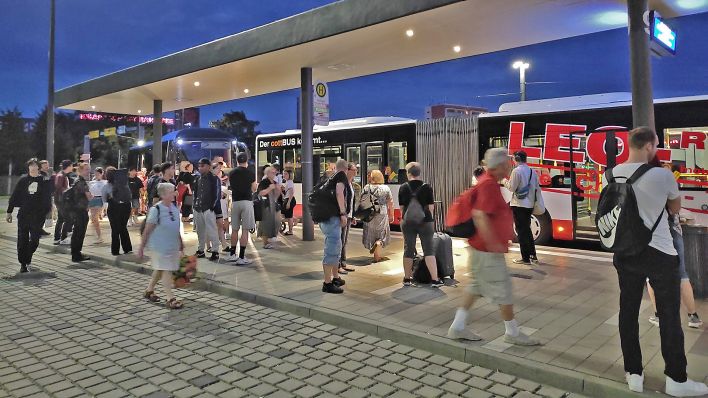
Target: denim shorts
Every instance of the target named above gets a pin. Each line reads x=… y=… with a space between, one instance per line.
x=95 y=202
x=332 y=231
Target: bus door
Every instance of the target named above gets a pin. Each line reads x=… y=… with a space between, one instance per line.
x=352 y=153
x=374 y=157
x=328 y=156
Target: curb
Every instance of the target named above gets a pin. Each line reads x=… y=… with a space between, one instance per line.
x=565 y=379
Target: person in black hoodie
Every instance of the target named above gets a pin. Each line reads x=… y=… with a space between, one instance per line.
x=32 y=195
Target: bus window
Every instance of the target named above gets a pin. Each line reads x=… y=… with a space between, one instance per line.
x=397 y=159
x=374 y=157
x=328 y=156
x=353 y=154
x=292 y=160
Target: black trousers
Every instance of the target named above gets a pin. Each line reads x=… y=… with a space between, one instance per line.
x=662 y=271
x=522 y=221
x=118 y=215
x=29 y=229
x=81 y=220
x=63 y=225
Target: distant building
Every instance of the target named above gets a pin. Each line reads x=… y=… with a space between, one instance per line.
x=449 y=110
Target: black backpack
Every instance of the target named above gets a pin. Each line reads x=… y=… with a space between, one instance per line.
x=322 y=201
x=621 y=228
x=152 y=184
x=121 y=191
x=68 y=199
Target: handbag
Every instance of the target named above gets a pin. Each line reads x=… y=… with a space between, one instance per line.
x=369 y=206
x=188 y=200
x=539 y=208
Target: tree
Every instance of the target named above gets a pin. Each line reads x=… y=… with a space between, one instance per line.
x=237 y=124
x=15 y=148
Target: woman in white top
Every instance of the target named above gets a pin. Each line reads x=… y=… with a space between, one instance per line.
x=377 y=232
x=96 y=204
x=162 y=236
x=288 y=200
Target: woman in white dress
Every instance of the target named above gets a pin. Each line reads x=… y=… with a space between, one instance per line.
x=377 y=232
x=162 y=236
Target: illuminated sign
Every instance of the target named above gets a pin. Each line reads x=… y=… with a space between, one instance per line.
x=663 y=38
x=288 y=142
x=123 y=118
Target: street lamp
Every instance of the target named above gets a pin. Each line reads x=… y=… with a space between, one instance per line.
x=522 y=66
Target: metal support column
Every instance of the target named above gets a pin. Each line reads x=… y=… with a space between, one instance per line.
x=306 y=119
x=50 y=91
x=157 y=132
x=640 y=65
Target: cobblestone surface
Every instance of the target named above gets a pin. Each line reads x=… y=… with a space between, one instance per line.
x=84 y=330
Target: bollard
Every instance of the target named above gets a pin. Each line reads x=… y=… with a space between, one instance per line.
x=695 y=240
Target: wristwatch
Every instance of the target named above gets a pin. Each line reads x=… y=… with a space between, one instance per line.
x=342 y=214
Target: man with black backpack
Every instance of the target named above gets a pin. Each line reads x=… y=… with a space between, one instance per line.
x=62 y=182
x=632 y=222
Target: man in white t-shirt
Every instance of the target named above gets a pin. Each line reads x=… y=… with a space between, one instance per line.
x=656 y=192
x=522 y=184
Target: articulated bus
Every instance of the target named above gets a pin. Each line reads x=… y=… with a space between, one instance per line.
x=542 y=128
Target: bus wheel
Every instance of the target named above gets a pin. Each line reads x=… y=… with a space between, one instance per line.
x=540 y=229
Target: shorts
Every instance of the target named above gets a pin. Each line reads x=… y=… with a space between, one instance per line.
x=165 y=262
x=411 y=232
x=288 y=213
x=242 y=215
x=135 y=203
x=490 y=277
x=95 y=202
x=224 y=209
x=332 y=231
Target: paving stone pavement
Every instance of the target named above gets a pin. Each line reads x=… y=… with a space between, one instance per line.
x=70 y=331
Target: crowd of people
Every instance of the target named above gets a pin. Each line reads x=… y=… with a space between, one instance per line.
x=211 y=198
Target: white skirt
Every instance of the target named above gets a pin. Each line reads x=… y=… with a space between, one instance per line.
x=165 y=262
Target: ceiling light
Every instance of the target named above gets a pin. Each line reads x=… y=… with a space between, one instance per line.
x=410 y=33
x=140 y=111
x=457 y=49
x=196 y=84
x=93 y=106
x=612 y=18
x=246 y=91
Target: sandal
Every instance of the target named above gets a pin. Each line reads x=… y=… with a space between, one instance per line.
x=174 y=304
x=373 y=248
x=151 y=296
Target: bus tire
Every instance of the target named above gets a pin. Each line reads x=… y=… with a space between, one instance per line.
x=541 y=228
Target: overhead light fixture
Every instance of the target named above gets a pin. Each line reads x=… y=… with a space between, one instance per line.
x=457 y=49
x=612 y=18
x=196 y=84
x=93 y=106
x=246 y=91
x=140 y=111
x=410 y=33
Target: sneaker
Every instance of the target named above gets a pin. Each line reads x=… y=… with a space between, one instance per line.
x=534 y=260
x=65 y=242
x=23 y=268
x=688 y=388
x=214 y=256
x=438 y=283
x=57 y=242
x=521 y=339
x=44 y=233
x=654 y=320
x=521 y=261
x=463 y=334
x=200 y=254
x=694 y=321
x=227 y=249
x=80 y=258
x=407 y=281
x=332 y=288
x=243 y=261
x=338 y=281
x=341 y=270
x=635 y=382
x=232 y=258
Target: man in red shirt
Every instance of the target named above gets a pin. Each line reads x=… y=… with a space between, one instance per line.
x=493 y=221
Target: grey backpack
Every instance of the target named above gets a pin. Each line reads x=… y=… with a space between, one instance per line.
x=414 y=211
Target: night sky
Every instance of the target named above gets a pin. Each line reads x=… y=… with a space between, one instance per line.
x=94 y=39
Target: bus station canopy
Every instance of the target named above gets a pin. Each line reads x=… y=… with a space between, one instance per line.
x=347 y=39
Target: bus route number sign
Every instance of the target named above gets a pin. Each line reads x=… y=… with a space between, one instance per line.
x=320 y=104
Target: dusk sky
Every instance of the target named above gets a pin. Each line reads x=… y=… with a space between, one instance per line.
x=94 y=39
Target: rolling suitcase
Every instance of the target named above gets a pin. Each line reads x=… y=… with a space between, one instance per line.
x=442 y=243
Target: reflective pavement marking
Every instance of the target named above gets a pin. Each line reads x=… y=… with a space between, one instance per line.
x=572 y=255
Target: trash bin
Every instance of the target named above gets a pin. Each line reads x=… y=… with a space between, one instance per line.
x=695 y=240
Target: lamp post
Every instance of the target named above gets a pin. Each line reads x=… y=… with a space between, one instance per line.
x=522 y=66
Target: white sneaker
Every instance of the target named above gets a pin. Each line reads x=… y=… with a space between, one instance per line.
x=694 y=321
x=243 y=261
x=520 y=261
x=463 y=334
x=520 y=339
x=635 y=382
x=66 y=241
x=688 y=388
x=232 y=257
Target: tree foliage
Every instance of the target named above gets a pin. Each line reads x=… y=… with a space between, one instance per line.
x=237 y=124
x=15 y=146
